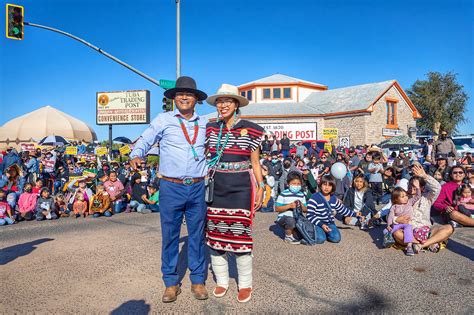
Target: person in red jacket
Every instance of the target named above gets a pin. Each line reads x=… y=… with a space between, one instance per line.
x=27 y=203
x=445 y=202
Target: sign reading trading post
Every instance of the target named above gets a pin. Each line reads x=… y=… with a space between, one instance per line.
x=124 y=107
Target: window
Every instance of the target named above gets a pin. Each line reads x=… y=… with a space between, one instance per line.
x=242 y=93
x=276 y=93
x=391 y=113
x=266 y=93
x=286 y=92
x=249 y=95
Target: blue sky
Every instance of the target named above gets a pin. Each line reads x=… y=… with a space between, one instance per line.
x=336 y=43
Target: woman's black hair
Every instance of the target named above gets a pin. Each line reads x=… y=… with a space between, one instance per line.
x=328 y=179
x=294 y=175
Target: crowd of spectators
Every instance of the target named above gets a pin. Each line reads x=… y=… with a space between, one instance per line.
x=403 y=190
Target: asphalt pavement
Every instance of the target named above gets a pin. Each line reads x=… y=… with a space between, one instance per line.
x=112 y=265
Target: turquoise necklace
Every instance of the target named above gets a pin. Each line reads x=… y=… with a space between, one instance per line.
x=220 y=149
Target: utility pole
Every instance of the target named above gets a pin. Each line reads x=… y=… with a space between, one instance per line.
x=178 y=40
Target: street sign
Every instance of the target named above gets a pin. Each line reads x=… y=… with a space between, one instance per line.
x=123 y=107
x=14 y=18
x=167 y=84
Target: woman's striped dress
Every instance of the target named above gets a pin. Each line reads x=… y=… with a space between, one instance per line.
x=229 y=216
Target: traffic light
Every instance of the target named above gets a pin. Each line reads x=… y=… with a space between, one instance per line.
x=167 y=104
x=14 y=27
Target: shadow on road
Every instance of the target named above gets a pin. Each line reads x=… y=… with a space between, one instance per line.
x=376 y=233
x=132 y=307
x=460 y=249
x=371 y=301
x=11 y=253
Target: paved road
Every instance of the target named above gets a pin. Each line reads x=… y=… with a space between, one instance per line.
x=113 y=266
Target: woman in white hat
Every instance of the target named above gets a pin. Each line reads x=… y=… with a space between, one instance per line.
x=238 y=189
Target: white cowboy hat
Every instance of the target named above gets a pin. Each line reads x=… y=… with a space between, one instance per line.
x=228 y=90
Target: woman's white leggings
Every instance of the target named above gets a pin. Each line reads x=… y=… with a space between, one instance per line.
x=220 y=266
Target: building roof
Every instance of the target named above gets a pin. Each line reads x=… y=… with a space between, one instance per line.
x=358 y=97
x=45 y=121
x=280 y=78
x=342 y=101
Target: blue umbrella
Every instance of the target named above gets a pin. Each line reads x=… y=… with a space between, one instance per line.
x=123 y=140
x=53 y=140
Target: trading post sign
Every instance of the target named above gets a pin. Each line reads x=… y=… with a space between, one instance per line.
x=123 y=107
x=295 y=132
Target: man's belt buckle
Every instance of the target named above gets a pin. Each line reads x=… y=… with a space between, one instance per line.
x=188 y=181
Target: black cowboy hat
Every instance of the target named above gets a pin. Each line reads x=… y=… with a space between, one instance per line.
x=185 y=84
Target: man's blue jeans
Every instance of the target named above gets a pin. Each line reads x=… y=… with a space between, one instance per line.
x=175 y=201
x=334 y=236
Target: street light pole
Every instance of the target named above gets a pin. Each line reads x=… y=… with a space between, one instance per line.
x=178 y=40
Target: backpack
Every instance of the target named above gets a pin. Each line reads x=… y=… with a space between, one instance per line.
x=306 y=229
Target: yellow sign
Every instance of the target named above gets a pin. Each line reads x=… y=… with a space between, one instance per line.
x=71 y=151
x=125 y=150
x=101 y=151
x=330 y=133
x=328 y=147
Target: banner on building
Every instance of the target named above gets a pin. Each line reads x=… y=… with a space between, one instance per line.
x=123 y=107
x=71 y=150
x=295 y=132
x=391 y=132
x=330 y=133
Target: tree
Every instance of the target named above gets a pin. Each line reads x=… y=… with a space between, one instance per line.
x=440 y=100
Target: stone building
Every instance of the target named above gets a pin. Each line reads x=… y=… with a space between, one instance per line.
x=362 y=114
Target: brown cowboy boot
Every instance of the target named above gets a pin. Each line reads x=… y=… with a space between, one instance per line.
x=171 y=294
x=199 y=291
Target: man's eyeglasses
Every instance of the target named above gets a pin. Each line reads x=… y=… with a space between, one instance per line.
x=458 y=173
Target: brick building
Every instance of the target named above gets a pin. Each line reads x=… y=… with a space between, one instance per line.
x=362 y=114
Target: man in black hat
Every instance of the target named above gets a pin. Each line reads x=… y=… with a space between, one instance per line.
x=181 y=135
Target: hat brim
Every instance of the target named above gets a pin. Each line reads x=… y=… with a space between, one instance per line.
x=171 y=93
x=243 y=101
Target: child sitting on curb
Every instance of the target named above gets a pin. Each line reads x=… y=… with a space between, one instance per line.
x=100 y=203
x=286 y=203
x=45 y=205
x=152 y=202
x=27 y=204
x=79 y=206
x=320 y=211
x=5 y=210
